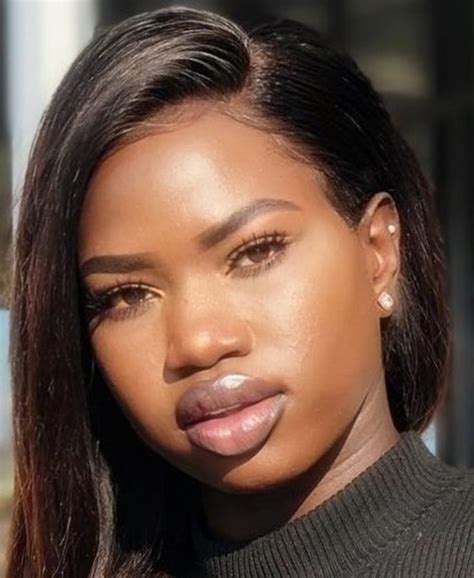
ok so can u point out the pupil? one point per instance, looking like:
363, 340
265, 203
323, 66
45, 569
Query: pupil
132, 296
257, 252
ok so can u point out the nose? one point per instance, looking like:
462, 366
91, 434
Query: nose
203, 331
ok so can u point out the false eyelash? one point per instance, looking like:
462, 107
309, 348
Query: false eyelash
96, 302
276, 238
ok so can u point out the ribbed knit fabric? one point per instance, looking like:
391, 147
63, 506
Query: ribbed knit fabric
407, 515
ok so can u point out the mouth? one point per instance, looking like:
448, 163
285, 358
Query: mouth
220, 413
238, 429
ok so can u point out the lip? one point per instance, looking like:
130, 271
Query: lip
232, 414
226, 393
239, 432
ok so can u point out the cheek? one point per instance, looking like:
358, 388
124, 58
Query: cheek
326, 343
321, 313
129, 356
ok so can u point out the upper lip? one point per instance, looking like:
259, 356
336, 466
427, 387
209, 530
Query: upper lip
209, 397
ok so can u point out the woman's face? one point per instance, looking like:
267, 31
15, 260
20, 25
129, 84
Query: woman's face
286, 295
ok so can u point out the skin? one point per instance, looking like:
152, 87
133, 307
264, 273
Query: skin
311, 322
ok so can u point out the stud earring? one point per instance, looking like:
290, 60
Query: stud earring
385, 300
391, 229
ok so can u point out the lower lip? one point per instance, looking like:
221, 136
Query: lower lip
239, 432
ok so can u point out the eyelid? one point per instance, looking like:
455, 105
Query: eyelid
119, 284
133, 285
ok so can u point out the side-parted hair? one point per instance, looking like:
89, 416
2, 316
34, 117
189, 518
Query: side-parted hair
90, 499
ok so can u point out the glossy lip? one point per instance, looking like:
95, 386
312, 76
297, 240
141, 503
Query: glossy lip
242, 431
222, 396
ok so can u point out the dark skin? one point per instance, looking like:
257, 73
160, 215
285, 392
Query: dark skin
310, 320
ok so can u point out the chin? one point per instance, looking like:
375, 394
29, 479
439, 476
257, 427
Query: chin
261, 472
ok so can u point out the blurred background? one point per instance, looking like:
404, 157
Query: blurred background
419, 55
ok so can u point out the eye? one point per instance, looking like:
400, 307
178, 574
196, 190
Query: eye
130, 296
119, 302
257, 254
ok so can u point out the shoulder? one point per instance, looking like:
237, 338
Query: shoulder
454, 509
443, 541
440, 542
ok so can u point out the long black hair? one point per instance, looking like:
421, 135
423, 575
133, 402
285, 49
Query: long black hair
90, 498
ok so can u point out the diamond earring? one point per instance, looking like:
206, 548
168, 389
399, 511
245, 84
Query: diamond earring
391, 229
385, 300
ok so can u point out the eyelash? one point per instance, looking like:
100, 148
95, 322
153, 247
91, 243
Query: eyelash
273, 239
97, 303
98, 307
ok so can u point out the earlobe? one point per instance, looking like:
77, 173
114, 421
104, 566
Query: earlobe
379, 231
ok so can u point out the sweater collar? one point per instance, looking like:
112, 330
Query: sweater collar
346, 530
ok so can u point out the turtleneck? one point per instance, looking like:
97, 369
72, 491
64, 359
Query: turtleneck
407, 499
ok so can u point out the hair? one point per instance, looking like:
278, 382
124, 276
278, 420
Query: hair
90, 498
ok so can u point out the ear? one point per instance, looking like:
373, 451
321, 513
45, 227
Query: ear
379, 235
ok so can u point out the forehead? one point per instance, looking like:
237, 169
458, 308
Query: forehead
193, 173
200, 143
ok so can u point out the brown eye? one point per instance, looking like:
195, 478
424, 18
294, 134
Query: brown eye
120, 303
258, 253
130, 296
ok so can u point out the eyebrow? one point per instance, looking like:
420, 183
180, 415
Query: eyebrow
206, 240
217, 233
116, 264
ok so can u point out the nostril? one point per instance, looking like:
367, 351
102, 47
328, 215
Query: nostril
236, 353
185, 371
190, 347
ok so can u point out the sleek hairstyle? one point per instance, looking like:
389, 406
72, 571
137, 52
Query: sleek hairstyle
90, 498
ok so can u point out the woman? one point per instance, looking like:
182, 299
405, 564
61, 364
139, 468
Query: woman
229, 321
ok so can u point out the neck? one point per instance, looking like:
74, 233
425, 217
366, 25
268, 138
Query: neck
246, 516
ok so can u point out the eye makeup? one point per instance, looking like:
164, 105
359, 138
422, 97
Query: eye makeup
275, 241
119, 302
126, 299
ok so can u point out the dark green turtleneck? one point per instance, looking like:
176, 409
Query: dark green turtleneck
408, 515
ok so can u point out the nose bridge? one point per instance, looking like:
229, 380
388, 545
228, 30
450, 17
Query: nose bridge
203, 325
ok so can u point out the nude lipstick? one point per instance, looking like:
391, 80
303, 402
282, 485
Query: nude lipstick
230, 415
